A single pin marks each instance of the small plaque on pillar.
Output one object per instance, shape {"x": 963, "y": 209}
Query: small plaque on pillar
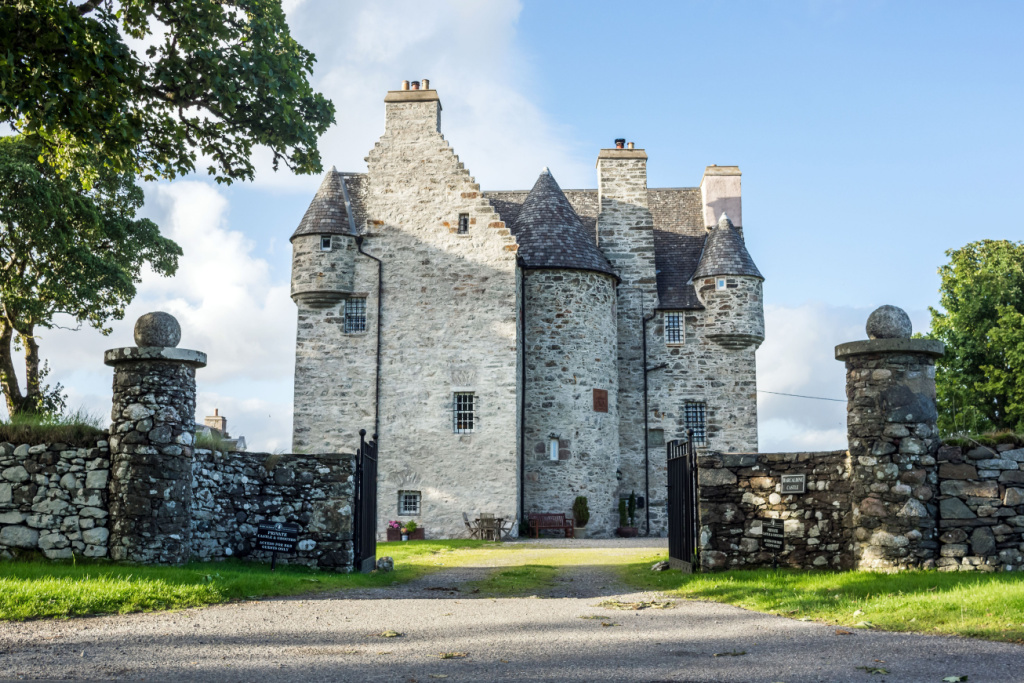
{"x": 794, "y": 483}
{"x": 600, "y": 400}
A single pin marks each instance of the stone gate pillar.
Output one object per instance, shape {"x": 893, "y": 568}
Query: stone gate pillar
{"x": 151, "y": 434}
{"x": 893, "y": 436}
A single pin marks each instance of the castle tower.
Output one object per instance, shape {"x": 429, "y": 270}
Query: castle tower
{"x": 323, "y": 281}
{"x": 729, "y": 285}
{"x": 323, "y": 248}
{"x": 625, "y": 234}
{"x": 571, "y": 431}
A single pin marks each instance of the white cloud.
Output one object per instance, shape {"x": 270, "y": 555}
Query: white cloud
{"x": 798, "y": 357}
{"x": 468, "y": 51}
{"x": 228, "y": 307}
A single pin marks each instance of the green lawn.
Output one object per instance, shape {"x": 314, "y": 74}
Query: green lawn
{"x": 989, "y": 606}
{"x": 34, "y": 589}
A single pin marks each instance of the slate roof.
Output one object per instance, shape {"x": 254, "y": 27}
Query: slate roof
{"x": 326, "y": 214}
{"x": 678, "y": 234}
{"x": 550, "y": 232}
{"x": 725, "y": 253}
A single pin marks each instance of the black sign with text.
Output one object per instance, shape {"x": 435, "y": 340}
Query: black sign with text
{"x": 774, "y": 532}
{"x": 277, "y": 537}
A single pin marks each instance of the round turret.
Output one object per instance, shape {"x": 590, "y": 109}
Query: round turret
{"x": 324, "y": 248}
{"x": 570, "y": 422}
{"x": 729, "y": 285}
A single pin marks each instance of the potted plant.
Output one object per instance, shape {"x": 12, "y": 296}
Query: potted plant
{"x": 627, "y": 517}
{"x": 394, "y": 530}
{"x": 580, "y": 511}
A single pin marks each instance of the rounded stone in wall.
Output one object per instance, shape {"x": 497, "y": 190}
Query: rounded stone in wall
{"x": 157, "y": 329}
{"x": 889, "y": 322}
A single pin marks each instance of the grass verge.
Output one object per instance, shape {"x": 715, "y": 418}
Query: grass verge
{"x": 41, "y": 589}
{"x": 989, "y": 606}
{"x": 519, "y": 580}
{"x": 78, "y": 429}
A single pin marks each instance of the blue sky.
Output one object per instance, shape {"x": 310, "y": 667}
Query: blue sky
{"x": 872, "y": 136}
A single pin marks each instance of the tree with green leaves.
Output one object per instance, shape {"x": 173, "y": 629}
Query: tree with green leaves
{"x": 980, "y": 380}
{"x": 65, "y": 250}
{"x": 215, "y": 78}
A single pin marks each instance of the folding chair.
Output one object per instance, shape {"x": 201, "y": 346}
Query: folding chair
{"x": 474, "y": 531}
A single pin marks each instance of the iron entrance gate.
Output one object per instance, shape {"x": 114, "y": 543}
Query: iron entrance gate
{"x": 682, "y": 504}
{"x": 364, "y": 524}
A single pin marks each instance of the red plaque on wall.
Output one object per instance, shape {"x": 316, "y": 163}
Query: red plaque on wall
{"x": 600, "y": 400}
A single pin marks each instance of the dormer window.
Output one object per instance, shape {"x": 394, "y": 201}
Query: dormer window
{"x": 325, "y": 242}
{"x": 463, "y": 223}
{"x": 720, "y": 283}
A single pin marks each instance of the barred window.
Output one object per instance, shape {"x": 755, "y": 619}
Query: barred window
{"x": 463, "y": 223}
{"x": 695, "y": 414}
{"x": 325, "y": 243}
{"x": 408, "y": 502}
{"x": 462, "y": 412}
{"x": 674, "y": 328}
{"x": 355, "y": 315}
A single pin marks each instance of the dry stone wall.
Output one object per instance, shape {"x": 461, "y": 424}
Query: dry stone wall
{"x": 571, "y": 348}
{"x": 981, "y": 508}
{"x": 738, "y": 491}
{"x": 53, "y": 500}
{"x": 233, "y": 492}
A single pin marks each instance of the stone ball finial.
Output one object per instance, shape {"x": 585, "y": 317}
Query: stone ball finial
{"x": 889, "y": 322}
{"x": 157, "y": 329}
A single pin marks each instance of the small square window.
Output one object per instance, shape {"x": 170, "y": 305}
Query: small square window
{"x": 463, "y": 223}
{"x": 408, "y": 502}
{"x": 463, "y": 412}
{"x": 720, "y": 283}
{"x": 695, "y": 415}
{"x": 355, "y": 315}
{"x": 674, "y": 331}
{"x": 325, "y": 242}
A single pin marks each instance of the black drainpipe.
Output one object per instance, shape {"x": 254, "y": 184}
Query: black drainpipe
{"x": 380, "y": 323}
{"x": 522, "y": 389}
{"x": 647, "y": 450}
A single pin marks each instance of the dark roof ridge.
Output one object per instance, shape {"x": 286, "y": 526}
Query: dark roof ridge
{"x": 551, "y": 234}
{"x": 326, "y": 214}
{"x": 725, "y": 253}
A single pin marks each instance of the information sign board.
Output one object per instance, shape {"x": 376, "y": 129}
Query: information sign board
{"x": 794, "y": 483}
{"x": 277, "y": 537}
{"x": 774, "y": 533}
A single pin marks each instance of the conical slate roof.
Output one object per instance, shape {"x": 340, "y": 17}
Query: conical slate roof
{"x": 551, "y": 234}
{"x": 725, "y": 254}
{"x": 326, "y": 214}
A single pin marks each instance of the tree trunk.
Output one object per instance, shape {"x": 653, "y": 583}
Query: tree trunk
{"x": 8, "y": 378}
{"x": 28, "y": 339}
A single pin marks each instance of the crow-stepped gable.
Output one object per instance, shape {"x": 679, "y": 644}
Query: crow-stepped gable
{"x": 516, "y": 349}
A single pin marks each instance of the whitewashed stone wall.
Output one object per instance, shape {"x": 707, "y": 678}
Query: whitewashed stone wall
{"x": 571, "y": 345}
{"x": 450, "y": 307}
{"x": 53, "y": 500}
{"x": 625, "y": 233}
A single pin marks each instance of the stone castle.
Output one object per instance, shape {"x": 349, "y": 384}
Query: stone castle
{"x": 514, "y": 350}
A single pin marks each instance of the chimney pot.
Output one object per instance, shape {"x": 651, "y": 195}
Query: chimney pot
{"x": 405, "y": 85}
{"x": 426, "y": 84}
{"x": 216, "y": 411}
{"x": 620, "y": 143}
{"x": 630, "y": 145}
{"x": 415, "y": 85}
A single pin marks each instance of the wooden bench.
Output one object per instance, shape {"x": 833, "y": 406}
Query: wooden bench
{"x": 539, "y": 521}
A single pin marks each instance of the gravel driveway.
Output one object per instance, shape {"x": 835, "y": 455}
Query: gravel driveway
{"x": 336, "y": 637}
